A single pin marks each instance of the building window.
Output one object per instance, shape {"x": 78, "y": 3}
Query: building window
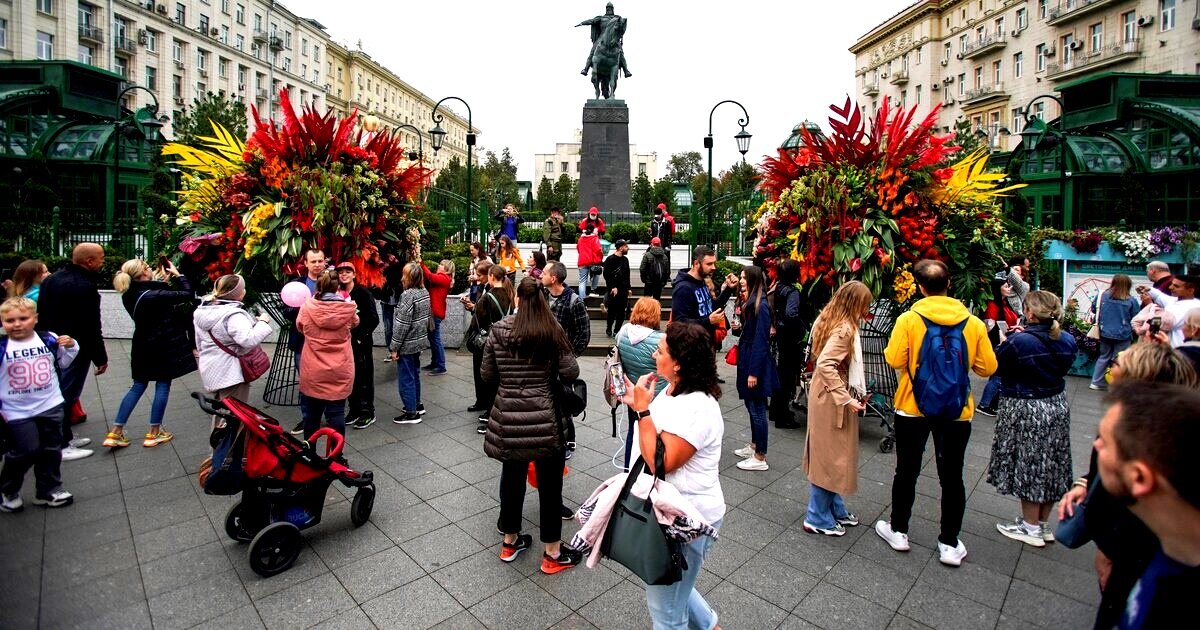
{"x": 303, "y": 69}
{"x": 223, "y": 68}
{"x": 1040, "y": 58}
{"x": 917, "y": 95}
{"x": 85, "y": 15}
{"x": 978, "y": 77}
{"x": 152, "y": 78}
{"x": 1041, "y": 9}
{"x": 1129, "y": 25}
{"x": 257, "y": 22}
{"x": 85, "y": 54}
{"x": 121, "y": 67}
{"x": 181, "y": 13}
{"x": 946, "y": 52}
{"x": 1167, "y": 10}
{"x": 977, "y": 122}
{"x": 224, "y": 34}
{"x": 239, "y": 41}
{"x": 45, "y": 46}
{"x": 549, "y": 167}
{"x": 201, "y": 59}
{"x": 962, "y": 83}
{"x": 1068, "y": 48}
{"x": 1000, "y": 27}
{"x": 1096, "y": 34}
{"x": 225, "y": 7}
{"x": 287, "y": 64}
{"x": 287, "y": 40}
{"x": 980, "y": 34}
{"x": 3, "y": 33}
{"x": 177, "y": 86}
{"x": 962, "y": 44}
{"x": 177, "y": 51}
{"x": 241, "y": 75}
{"x": 1022, "y": 19}
{"x": 997, "y": 72}
{"x": 918, "y": 53}
{"x": 1018, "y": 65}
{"x": 45, "y": 6}
{"x": 204, "y": 24}
{"x": 904, "y": 63}
{"x": 304, "y": 46}
{"x": 564, "y": 166}
{"x": 151, "y": 40}
{"x": 201, "y": 88}
{"x": 1039, "y": 110}
{"x": 903, "y": 98}
{"x": 239, "y": 14}
{"x": 317, "y": 54}
{"x": 1017, "y": 121}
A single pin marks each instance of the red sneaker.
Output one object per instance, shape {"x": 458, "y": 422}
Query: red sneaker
{"x": 508, "y": 552}
{"x": 567, "y": 558}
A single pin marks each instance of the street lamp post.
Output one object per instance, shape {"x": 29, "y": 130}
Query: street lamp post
{"x": 437, "y": 135}
{"x": 371, "y": 124}
{"x": 995, "y": 130}
{"x": 155, "y": 121}
{"x": 743, "y": 144}
{"x": 1032, "y": 134}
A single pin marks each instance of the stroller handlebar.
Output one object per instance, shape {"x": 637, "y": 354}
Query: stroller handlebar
{"x": 208, "y": 405}
{"x": 334, "y": 442}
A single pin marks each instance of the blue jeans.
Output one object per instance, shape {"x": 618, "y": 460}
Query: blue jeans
{"x": 680, "y": 606}
{"x": 162, "y": 392}
{"x": 313, "y": 408}
{"x": 757, "y": 407}
{"x": 991, "y": 393}
{"x": 408, "y": 376}
{"x": 436, "y": 348}
{"x": 586, "y": 275}
{"x": 824, "y": 507}
{"x": 389, "y": 314}
{"x": 1109, "y": 349}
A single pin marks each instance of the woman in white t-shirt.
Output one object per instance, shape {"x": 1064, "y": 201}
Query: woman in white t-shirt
{"x": 688, "y": 418}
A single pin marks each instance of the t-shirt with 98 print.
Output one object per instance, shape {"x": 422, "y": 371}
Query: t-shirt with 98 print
{"x": 28, "y": 380}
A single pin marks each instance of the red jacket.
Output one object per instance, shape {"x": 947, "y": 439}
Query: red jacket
{"x": 438, "y": 285}
{"x": 599, "y": 225}
{"x": 589, "y": 251}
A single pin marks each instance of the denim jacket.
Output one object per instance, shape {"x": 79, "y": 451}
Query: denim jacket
{"x": 1116, "y": 315}
{"x": 1032, "y": 365}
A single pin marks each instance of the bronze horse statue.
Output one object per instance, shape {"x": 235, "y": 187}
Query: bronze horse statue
{"x": 606, "y": 58}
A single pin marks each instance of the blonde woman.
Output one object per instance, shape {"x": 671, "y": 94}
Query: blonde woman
{"x": 835, "y": 398}
{"x": 1031, "y": 449}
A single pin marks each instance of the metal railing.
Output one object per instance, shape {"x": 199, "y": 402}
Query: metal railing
{"x": 989, "y": 41}
{"x": 731, "y": 231}
{"x": 1111, "y": 53}
{"x": 91, "y": 32}
{"x": 1068, "y": 10}
{"x": 983, "y": 91}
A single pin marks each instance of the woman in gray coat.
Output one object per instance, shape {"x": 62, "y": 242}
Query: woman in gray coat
{"x": 522, "y": 354}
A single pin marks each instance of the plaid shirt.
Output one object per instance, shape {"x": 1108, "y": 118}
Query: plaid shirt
{"x": 571, "y": 313}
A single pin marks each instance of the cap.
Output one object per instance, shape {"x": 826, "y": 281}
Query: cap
{"x": 345, "y": 265}
{"x": 620, "y": 243}
{"x": 593, "y": 209}
{"x": 662, "y": 206}
{"x": 656, "y": 241}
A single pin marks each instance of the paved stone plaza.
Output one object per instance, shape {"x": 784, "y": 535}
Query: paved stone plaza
{"x": 144, "y": 547}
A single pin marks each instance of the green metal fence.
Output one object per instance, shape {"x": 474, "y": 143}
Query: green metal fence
{"x": 446, "y": 215}
{"x": 726, "y": 223}
{"x": 55, "y": 232}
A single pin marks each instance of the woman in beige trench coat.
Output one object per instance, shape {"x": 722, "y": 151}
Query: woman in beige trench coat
{"x": 834, "y": 400}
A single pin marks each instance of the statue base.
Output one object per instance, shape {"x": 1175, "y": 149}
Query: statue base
{"x": 604, "y": 173}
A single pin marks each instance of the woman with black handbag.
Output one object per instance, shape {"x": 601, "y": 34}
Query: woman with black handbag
{"x": 493, "y": 304}
{"x": 520, "y": 358}
{"x": 687, "y": 418}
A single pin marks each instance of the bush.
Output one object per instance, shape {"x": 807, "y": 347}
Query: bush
{"x": 681, "y": 237}
{"x": 726, "y": 267}
{"x": 570, "y": 232}
{"x": 457, "y": 250}
{"x": 623, "y": 231}
{"x": 529, "y": 235}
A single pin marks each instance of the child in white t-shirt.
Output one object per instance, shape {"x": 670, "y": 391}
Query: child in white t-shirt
{"x": 32, "y": 405}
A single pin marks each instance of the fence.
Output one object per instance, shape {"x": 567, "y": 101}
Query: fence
{"x": 726, "y": 224}
{"x": 55, "y": 232}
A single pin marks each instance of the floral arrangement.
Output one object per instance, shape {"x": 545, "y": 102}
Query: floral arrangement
{"x": 1086, "y": 242}
{"x": 1078, "y": 328}
{"x": 314, "y": 181}
{"x": 875, "y": 196}
{"x": 1137, "y": 246}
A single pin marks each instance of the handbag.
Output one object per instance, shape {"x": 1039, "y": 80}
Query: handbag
{"x": 1072, "y": 532}
{"x": 634, "y": 538}
{"x": 1094, "y": 331}
{"x": 731, "y": 356}
{"x": 477, "y": 339}
{"x": 254, "y": 363}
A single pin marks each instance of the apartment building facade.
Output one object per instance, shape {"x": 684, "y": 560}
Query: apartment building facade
{"x": 566, "y": 156}
{"x": 985, "y": 60}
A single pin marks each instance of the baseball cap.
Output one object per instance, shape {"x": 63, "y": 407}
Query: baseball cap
{"x": 345, "y": 265}
{"x": 662, "y": 206}
{"x": 593, "y": 209}
{"x": 620, "y": 243}
{"x": 656, "y": 241}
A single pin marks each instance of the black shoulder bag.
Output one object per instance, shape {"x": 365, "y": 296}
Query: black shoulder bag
{"x": 634, "y": 537}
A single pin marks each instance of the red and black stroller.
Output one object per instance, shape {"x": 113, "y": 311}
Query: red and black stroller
{"x": 282, "y": 479}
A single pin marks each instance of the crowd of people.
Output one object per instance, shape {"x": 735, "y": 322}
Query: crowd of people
{"x": 1140, "y": 497}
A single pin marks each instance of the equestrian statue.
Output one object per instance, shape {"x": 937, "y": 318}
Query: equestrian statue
{"x": 607, "y": 55}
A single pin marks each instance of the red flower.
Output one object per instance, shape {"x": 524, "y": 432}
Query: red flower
{"x": 855, "y": 265}
{"x": 944, "y": 174}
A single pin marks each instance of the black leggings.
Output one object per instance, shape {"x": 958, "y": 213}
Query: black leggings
{"x": 512, "y": 496}
{"x": 485, "y": 394}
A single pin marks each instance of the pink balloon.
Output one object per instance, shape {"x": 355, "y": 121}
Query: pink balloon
{"x": 294, "y": 294}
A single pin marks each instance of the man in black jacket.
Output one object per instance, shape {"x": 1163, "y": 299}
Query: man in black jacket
{"x": 362, "y": 340}
{"x": 661, "y": 228}
{"x": 690, "y": 299}
{"x": 1145, "y": 454}
{"x": 616, "y": 280}
{"x": 69, "y": 304}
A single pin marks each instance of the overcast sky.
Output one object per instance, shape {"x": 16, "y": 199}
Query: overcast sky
{"x": 517, "y": 63}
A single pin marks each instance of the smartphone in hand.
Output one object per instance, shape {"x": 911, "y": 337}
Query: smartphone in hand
{"x": 618, "y": 379}
{"x": 1155, "y": 325}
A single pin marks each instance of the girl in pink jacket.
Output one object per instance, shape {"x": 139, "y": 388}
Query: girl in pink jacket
{"x": 325, "y": 321}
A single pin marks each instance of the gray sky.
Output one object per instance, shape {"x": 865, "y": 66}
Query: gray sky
{"x": 517, "y": 63}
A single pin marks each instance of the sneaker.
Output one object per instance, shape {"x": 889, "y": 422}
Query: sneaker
{"x": 753, "y": 463}
{"x": 570, "y": 451}
{"x": 71, "y": 453}
{"x": 420, "y": 409}
{"x": 482, "y": 428}
{"x": 387, "y": 359}
{"x": 476, "y": 407}
{"x": 363, "y": 422}
{"x": 1047, "y": 532}
{"x": 744, "y": 452}
{"x": 80, "y": 442}
{"x": 115, "y": 440}
{"x": 58, "y": 498}
{"x": 11, "y": 503}
{"x": 836, "y": 530}
{"x": 1018, "y": 531}
{"x": 567, "y": 513}
{"x": 895, "y": 540}
{"x": 298, "y": 429}
{"x": 849, "y": 520}
{"x": 567, "y": 558}
{"x": 1098, "y": 388}
{"x": 427, "y": 368}
{"x": 409, "y": 417}
{"x": 485, "y": 416}
{"x": 952, "y": 556}
{"x": 508, "y": 552}
{"x": 437, "y": 371}
{"x": 986, "y": 411}
{"x": 154, "y": 439}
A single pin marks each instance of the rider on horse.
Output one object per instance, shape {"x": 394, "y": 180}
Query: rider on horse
{"x": 598, "y": 24}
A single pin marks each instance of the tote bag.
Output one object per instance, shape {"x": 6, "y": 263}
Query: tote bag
{"x": 635, "y": 539}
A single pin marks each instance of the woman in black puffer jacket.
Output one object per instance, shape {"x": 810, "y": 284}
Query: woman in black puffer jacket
{"x": 523, "y": 352}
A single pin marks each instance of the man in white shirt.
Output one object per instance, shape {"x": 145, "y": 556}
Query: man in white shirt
{"x": 1181, "y": 300}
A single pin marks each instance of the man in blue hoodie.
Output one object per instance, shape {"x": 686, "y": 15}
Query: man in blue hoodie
{"x": 690, "y": 298}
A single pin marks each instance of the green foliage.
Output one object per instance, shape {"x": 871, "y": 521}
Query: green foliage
{"x": 570, "y": 232}
{"x": 195, "y": 122}
{"x": 642, "y": 196}
{"x": 964, "y": 136}
{"x": 529, "y": 235}
{"x": 682, "y": 236}
{"x": 726, "y": 267}
{"x": 496, "y": 180}
{"x": 453, "y": 177}
{"x": 545, "y": 195}
{"x": 457, "y": 250}
{"x": 683, "y": 167}
{"x": 624, "y": 231}
{"x": 664, "y": 192}
{"x": 566, "y": 192}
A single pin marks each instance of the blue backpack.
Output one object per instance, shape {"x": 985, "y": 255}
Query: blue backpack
{"x": 941, "y": 385}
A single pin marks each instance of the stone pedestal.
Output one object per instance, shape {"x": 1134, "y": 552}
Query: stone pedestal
{"x": 604, "y": 158}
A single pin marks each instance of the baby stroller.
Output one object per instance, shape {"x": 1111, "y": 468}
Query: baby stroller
{"x": 283, "y": 481}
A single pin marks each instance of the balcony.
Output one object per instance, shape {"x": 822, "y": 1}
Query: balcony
{"x": 989, "y": 43}
{"x": 276, "y": 43}
{"x": 871, "y": 89}
{"x": 125, "y": 45}
{"x": 900, "y": 77}
{"x": 260, "y": 36}
{"x": 983, "y": 94}
{"x": 260, "y": 94}
{"x": 1089, "y": 62}
{"x": 1071, "y": 10}
{"x": 91, "y": 34}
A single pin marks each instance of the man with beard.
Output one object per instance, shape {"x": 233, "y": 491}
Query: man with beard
{"x": 690, "y": 299}
{"x": 1144, "y": 459}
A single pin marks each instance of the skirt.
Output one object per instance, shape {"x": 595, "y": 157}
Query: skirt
{"x": 1031, "y": 450}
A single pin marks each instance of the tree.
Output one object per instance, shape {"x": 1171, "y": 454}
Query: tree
{"x": 497, "y": 179}
{"x": 682, "y": 167}
{"x": 194, "y": 122}
{"x": 641, "y": 198}
{"x": 546, "y": 198}
{"x": 964, "y": 136}
{"x": 664, "y": 192}
{"x": 740, "y": 177}
{"x": 566, "y": 191}
{"x": 453, "y": 177}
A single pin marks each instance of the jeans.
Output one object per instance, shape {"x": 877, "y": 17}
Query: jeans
{"x": 991, "y": 393}
{"x": 781, "y": 400}
{"x": 71, "y": 382}
{"x": 436, "y": 348}
{"x": 408, "y": 376}
{"x": 36, "y": 444}
{"x": 757, "y": 408}
{"x": 950, "y": 439}
{"x": 824, "y": 507}
{"x": 389, "y": 314}
{"x": 512, "y": 496}
{"x": 362, "y": 394}
{"x": 585, "y": 277}
{"x": 680, "y": 606}
{"x": 1109, "y": 349}
{"x": 311, "y": 409}
{"x": 162, "y": 392}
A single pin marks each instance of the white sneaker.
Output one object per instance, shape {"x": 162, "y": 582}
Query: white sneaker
{"x": 11, "y": 503}
{"x": 895, "y": 540}
{"x": 744, "y": 452}
{"x": 72, "y": 453}
{"x": 1018, "y": 531}
{"x": 753, "y": 463}
{"x": 836, "y": 530}
{"x": 952, "y": 556}
{"x": 58, "y": 498}
{"x": 80, "y": 442}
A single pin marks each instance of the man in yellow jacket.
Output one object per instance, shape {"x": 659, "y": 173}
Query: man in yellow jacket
{"x": 950, "y": 435}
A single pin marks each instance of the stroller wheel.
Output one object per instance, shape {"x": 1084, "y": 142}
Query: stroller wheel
{"x": 360, "y": 507}
{"x": 235, "y": 524}
{"x": 887, "y": 444}
{"x": 275, "y": 549}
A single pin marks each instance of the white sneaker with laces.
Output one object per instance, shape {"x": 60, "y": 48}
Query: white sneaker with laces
{"x": 895, "y": 540}
{"x": 952, "y": 556}
{"x": 836, "y": 530}
{"x": 72, "y": 453}
{"x": 58, "y": 498}
{"x": 11, "y": 503}
{"x": 744, "y": 452}
{"x": 753, "y": 463}
{"x": 80, "y": 442}
{"x": 1018, "y": 531}
{"x": 1047, "y": 532}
